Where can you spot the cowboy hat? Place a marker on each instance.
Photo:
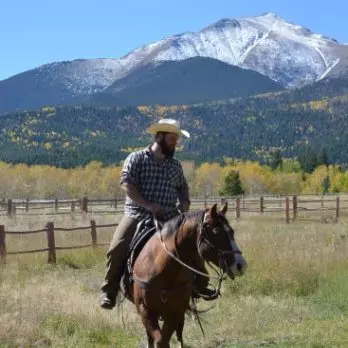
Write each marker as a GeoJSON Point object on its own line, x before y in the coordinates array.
{"type": "Point", "coordinates": [167, 125]}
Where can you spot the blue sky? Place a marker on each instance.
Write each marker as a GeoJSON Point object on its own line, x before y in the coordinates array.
{"type": "Point", "coordinates": [36, 32]}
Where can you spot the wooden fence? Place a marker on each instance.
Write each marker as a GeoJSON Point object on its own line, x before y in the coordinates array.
{"type": "Point", "coordinates": [287, 208]}
{"type": "Point", "coordinates": [261, 204]}
{"type": "Point", "coordinates": [13, 207]}
{"type": "Point", "coordinates": [50, 231]}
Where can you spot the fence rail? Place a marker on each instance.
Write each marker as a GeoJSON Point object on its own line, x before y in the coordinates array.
{"type": "Point", "coordinates": [51, 244]}
{"type": "Point", "coordinates": [264, 203]}
{"type": "Point", "coordinates": [57, 206]}
{"type": "Point", "coordinates": [289, 208]}
{"type": "Point", "coordinates": [241, 204]}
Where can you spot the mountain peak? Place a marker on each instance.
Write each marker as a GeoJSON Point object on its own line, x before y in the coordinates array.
{"type": "Point", "coordinates": [288, 53]}
{"type": "Point", "coordinates": [223, 24]}
{"type": "Point", "coordinates": [269, 15]}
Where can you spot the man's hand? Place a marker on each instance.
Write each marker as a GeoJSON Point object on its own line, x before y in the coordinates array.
{"type": "Point", "coordinates": [154, 208]}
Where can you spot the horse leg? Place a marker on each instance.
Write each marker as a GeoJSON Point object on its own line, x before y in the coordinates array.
{"type": "Point", "coordinates": [149, 342]}
{"type": "Point", "coordinates": [169, 326]}
{"type": "Point", "coordinates": [179, 330]}
{"type": "Point", "coordinates": [153, 330]}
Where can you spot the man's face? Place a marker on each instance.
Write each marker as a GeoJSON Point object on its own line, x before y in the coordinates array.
{"type": "Point", "coordinates": [168, 142]}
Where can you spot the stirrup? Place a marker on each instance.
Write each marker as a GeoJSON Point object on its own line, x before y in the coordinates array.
{"type": "Point", "coordinates": [206, 294]}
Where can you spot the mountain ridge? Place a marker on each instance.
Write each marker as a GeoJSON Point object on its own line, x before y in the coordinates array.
{"type": "Point", "coordinates": [189, 81]}
{"type": "Point", "coordinates": [287, 53]}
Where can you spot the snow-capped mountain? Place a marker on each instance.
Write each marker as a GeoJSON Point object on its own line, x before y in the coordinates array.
{"type": "Point", "coordinates": [289, 54]}
{"type": "Point", "coordinates": [84, 75]}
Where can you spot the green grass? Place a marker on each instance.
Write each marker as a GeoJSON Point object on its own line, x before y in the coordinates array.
{"type": "Point", "coordinates": [76, 333]}
{"type": "Point", "coordinates": [331, 299]}
{"type": "Point", "coordinates": [294, 294]}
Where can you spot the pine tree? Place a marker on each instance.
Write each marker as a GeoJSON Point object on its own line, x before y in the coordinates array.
{"type": "Point", "coordinates": [232, 186]}
{"type": "Point", "coordinates": [276, 160]}
{"type": "Point", "coordinates": [308, 160]}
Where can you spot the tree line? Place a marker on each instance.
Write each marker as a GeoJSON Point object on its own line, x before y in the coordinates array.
{"type": "Point", "coordinates": [233, 177]}
{"type": "Point", "coordinates": [246, 128]}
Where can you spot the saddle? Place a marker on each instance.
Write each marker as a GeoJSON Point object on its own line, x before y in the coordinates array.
{"type": "Point", "coordinates": [145, 230]}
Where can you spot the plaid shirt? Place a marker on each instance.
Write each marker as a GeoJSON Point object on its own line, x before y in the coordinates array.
{"type": "Point", "coordinates": [158, 182]}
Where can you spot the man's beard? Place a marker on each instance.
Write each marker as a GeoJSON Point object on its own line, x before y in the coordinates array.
{"type": "Point", "coordinates": [166, 150]}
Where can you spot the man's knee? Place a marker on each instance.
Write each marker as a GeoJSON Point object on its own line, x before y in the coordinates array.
{"type": "Point", "coordinates": [123, 234]}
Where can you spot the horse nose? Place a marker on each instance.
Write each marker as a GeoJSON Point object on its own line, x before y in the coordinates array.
{"type": "Point", "coordinates": [239, 267]}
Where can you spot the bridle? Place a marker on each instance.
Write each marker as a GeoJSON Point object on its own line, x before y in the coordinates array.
{"type": "Point", "coordinates": [203, 237]}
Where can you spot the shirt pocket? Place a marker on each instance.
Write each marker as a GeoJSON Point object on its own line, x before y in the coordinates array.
{"type": "Point", "coordinates": [173, 176]}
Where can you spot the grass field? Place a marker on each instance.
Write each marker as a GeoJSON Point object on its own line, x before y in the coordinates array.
{"type": "Point", "coordinates": [295, 293]}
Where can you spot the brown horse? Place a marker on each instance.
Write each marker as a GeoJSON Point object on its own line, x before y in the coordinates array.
{"type": "Point", "coordinates": [164, 272]}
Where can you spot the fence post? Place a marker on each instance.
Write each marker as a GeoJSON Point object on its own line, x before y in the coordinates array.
{"type": "Point", "coordinates": [337, 208]}
{"type": "Point", "coordinates": [222, 200]}
{"type": "Point", "coordinates": [9, 207]}
{"type": "Point", "coordinates": [261, 205]}
{"type": "Point", "coordinates": [56, 205]}
{"type": "Point", "coordinates": [205, 202]}
{"type": "Point", "coordinates": [2, 243]}
{"type": "Point", "coordinates": [294, 205]}
{"type": "Point", "coordinates": [115, 203]}
{"type": "Point", "coordinates": [238, 208]}
{"type": "Point", "coordinates": [73, 206]}
{"type": "Point", "coordinates": [51, 243]}
{"type": "Point", "coordinates": [287, 210]}
{"type": "Point", "coordinates": [94, 233]}
{"type": "Point", "coordinates": [85, 204]}
{"type": "Point", "coordinates": [27, 205]}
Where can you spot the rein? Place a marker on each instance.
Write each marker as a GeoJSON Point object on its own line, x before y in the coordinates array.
{"type": "Point", "coordinates": [183, 263]}
{"type": "Point", "coordinates": [220, 272]}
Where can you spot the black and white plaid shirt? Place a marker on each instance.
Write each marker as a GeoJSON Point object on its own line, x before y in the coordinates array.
{"type": "Point", "coordinates": [161, 182]}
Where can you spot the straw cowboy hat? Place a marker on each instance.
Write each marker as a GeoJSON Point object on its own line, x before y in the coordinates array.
{"type": "Point", "coordinates": [167, 125]}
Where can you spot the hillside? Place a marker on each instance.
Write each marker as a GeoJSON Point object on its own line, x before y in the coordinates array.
{"type": "Point", "coordinates": [246, 128]}
{"type": "Point", "coordinates": [57, 84]}
{"type": "Point", "coordinates": [188, 81]}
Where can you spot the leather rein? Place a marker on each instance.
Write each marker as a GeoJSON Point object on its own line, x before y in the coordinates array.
{"type": "Point", "coordinates": [203, 237]}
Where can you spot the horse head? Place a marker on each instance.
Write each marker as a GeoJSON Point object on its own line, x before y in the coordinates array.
{"type": "Point", "coordinates": [216, 242]}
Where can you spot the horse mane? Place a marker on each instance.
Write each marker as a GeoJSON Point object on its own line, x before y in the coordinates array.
{"type": "Point", "coordinates": [171, 226]}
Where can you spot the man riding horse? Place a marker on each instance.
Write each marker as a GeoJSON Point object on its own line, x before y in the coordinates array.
{"type": "Point", "coordinates": [155, 185]}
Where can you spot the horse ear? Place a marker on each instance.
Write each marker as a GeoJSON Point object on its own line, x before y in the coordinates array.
{"type": "Point", "coordinates": [223, 210]}
{"type": "Point", "coordinates": [211, 214]}
{"type": "Point", "coordinates": [213, 211]}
